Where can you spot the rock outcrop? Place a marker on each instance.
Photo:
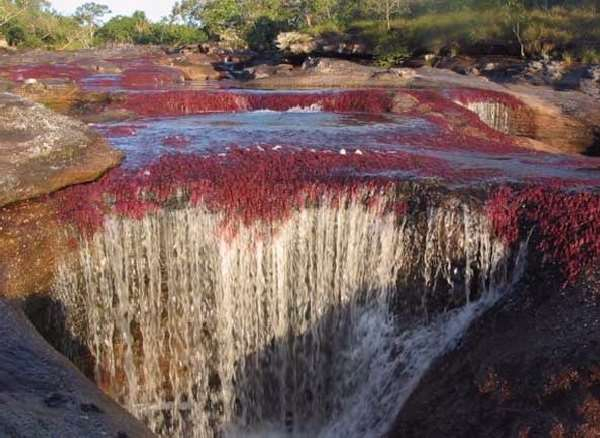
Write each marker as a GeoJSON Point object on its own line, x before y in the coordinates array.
{"type": "Point", "coordinates": [42, 151]}
{"type": "Point", "coordinates": [45, 395]}
{"type": "Point", "coordinates": [555, 121]}
{"type": "Point", "coordinates": [528, 368]}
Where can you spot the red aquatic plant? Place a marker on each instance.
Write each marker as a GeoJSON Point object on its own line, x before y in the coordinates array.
{"type": "Point", "coordinates": [46, 71]}
{"type": "Point", "coordinates": [248, 185]}
{"type": "Point", "coordinates": [471, 95]}
{"type": "Point", "coordinates": [151, 76]}
{"type": "Point", "coordinates": [565, 225]}
{"type": "Point", "coordinates": [171, 103]}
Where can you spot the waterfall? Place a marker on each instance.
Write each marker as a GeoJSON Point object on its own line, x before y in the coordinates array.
{"type": "Point", "coordinates": [318, 326]}
{"type": "Point", "coordinates": [496, 115]}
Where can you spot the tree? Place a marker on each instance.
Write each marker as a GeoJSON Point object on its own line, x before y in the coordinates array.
{"type": "Point", "coordinates": [388, 9]}
{"type": "Point", "coordinates": [10, 10]}
{"type": "Point", "coordinates": [517, 16]}
{"type": "Point", "coordinates": [188, 12]}
{"type": "Point", "coordinates": [89, 15]}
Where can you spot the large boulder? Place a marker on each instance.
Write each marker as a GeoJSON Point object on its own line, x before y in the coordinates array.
{"type": "Point", "coordinates": [43, 395]}
{"type": "Point", "coordinates": [41, 151]}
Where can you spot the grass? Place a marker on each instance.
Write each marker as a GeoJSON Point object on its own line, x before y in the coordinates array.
{"type": "Point", "coordinates": [572, 34]}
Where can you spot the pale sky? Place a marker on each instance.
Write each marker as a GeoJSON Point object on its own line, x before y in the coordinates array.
{"type": "Point", "coordinates": [154, 9]}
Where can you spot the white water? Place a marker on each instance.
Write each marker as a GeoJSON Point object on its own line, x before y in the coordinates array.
{"type": "Point", "coordinates": [309, 329]}
{"type": "Point", "coordinates": [494, 114]}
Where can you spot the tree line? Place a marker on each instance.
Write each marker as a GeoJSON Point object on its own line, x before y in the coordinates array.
{"type": "Point", "coordinates": [243, 23]}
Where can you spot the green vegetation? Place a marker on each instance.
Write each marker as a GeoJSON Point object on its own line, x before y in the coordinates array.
{"type": "Point", "coordinates": [395, 29]}
{"type": "Point", "coordinates": [33, 24]}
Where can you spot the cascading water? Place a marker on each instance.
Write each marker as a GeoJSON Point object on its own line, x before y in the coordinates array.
{"type": "Point", "coordinates": [319, 326]}
{"type": "Point", "coordinates": [496, 115]}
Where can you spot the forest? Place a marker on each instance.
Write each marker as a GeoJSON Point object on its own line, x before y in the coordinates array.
{"type": "Point", "coordinates": [393, 28]}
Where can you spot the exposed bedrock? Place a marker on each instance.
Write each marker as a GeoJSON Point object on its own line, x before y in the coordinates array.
{"type": "Point", "coordinates": [528, 368]}
{"type": "Point", "coordinates": [43, 394]}
{"type": "Point", "coordinates": [41, 151]}
{"type": "Point", "coordinates": [561, 121]}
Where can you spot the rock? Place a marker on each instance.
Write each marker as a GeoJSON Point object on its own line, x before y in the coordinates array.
{"type": "Point", "coordinates": [199, 72]}
{"type": "Point", "coordinates": [41, 151]}
{"type": "Point", "coordinates": [298, 43]}
{"type": "Point", "coordinates": [59, 95]}
{"type": "Point", "coordinates": [196, 66]}
{"type": "Point", "coordinates": [522, 369]}
{"type": "Point", "coordinates": [45, 395]}
{"type": "Point", "coordinates": [554, 121]}
{"type": "Point", "coordinates": [263, 71]}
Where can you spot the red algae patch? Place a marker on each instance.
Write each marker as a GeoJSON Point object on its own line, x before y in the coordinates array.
{"type": "Point", "coordinates": [565, 226]}
{"type": "Point", "coordinates": [173, 103]}
{"type": "Point", "coordinates": [151, 76]}
{"type": "Point", "coordinates": [46, 71]}
{"type": "Point", "coordinates": [246, 185]}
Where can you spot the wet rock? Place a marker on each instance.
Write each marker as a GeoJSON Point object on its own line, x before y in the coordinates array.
{"type": "Point", "coordinates": [263, 71]}
{"type": "Point", "coordinates": [42, 151]}
{"type": "Point", "coordinates": [56, 400]}
{"type": "Point", "coordinates": [90, 408]}
{"type": "Point", "coordinates": [45, 395]}
{"type": "Point", "coordinates": [527, 368]}
{"type": "Point", "coordinates": [196, 66]}
{"type": "Point", "coordinates": [556, 121]}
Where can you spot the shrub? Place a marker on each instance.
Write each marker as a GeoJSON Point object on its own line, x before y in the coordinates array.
{"type": "Point", "coordinates": [295, 42]}
{"type": "Point", "coordinates": [391, 51]}
{"type": "Point", "coordinates": [262, 33]}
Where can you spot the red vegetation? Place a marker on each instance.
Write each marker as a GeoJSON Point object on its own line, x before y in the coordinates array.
{"type": "Point", "coordinates": [151, 76]}
{"type": "Point", "coordinates": [172, 103]}
{"type": "Point", "coordinates": [443, 111]}
{"type": "Point", "coordinates": [46, 71]}
{"type": "Point", "coordinates": [566, 226]}
{"type": "Point", "coordinates": [246, 185]}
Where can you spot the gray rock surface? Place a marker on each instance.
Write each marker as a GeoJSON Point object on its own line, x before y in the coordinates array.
{"type": "Point", "coordinates": [43, 395]}
{"type": "Point", "coordinates": [41, 151]}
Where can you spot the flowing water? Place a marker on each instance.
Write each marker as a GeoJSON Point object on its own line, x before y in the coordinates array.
{"type": "Point", "coordinates": [309, 128]}
{"type": "Point", "coordinates": [319, 326]}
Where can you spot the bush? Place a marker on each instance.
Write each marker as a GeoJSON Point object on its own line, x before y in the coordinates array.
{"type": "Point", "coordinates": [262, 33]}
{"type": "Point", "coordinates": [138, 30]}
{"type": "Point", "coordinates": [391, 51]}
{"type": "Point", "coordinates": [296, 42]}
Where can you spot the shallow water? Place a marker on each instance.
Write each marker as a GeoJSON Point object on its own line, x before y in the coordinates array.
{"type": "Point", "coordinates": [146, 140]}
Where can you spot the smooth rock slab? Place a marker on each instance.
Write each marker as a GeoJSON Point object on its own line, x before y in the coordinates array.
{"type": "Point", "coordinates": [43, 395]}
{"type": "Point", "coordinates": [41, 151]}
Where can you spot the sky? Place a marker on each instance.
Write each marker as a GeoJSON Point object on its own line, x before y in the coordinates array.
{"type": "Point", "coordinates": [154, 9]}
